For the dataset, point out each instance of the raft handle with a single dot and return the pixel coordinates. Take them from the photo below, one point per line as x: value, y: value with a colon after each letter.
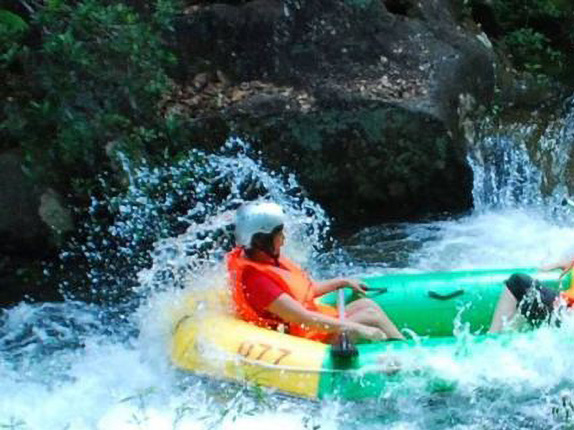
x: 435, y: 295
x: 377, y: 291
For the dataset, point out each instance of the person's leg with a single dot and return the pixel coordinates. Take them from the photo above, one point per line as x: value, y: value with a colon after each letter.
x: 505, y: 310
x: 538, y: 304
x: 525, y: 294
x: 366, y: 311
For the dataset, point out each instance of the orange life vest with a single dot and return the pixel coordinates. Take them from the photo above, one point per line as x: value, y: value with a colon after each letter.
x: 568, y: 295
x: 290, y: 278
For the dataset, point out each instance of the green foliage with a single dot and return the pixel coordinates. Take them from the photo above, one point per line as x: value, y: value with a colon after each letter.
x: 14, y: 424
x: 12, y: 30
x: 563, y: 411
x: 531, y: 50
x: 89, y: 86
x: 11, y: 24
x: 537, y: 34
x: 524, y: 12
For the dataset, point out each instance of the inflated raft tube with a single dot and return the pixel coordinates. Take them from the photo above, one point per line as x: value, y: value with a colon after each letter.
x: 429, y: 305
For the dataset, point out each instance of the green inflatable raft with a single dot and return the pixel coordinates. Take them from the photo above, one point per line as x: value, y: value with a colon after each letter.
x: 430, y: 308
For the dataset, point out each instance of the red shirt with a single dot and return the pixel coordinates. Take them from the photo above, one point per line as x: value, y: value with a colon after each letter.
x: 259, y: 289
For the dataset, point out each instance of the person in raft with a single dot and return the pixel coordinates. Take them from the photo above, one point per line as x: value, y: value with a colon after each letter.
x: 538, y: 304
x: 271, y: 291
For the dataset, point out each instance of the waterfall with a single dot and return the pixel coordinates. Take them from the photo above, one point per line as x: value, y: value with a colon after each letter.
x: 523, y: 164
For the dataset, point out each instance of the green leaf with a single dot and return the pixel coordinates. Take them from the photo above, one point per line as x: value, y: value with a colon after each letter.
x: 54, y: 4
x: 12, y: 23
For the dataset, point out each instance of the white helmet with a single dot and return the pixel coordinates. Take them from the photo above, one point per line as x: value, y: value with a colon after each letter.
x: 252, y: 218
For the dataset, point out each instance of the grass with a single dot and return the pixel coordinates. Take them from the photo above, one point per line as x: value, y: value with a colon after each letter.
x: 564, y: 411
x: 14, y: 424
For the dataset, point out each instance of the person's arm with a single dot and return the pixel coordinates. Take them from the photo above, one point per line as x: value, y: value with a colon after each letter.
x: 290, y: 310
x: 565, y: 264
x: 324, y: 287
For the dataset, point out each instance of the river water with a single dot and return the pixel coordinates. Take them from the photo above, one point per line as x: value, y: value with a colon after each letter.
x: 86, y: 366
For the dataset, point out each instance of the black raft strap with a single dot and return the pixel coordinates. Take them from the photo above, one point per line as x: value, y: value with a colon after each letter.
x: 438, y: 296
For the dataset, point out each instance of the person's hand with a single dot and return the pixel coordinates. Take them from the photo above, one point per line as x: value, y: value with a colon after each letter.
x: 551, y: 266
x: 566, y: 268
x: 357, y: 286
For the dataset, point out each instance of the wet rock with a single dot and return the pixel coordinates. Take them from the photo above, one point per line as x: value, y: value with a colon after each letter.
x: 31, y: 221
x: 365, y: 100
x: 54, y: 214
x: 21, y: 228
x: 32, y: 216
x: 24, y: 278
x: 528, y: 92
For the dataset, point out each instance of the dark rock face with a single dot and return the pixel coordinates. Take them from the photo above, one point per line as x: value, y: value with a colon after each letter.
x: 31, y: 220
x: 32, y: 217
x: 360, y: 161
x: 20, y: 223
x: 364, y: 100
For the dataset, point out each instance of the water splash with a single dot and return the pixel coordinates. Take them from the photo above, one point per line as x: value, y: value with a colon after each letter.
x: 185, y: 259
x: 523, y: 164
x: 504, y: 175
x: 175, y: 219
x: 30, y: 333
x: 167, y: 234
x: 57, y: 355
